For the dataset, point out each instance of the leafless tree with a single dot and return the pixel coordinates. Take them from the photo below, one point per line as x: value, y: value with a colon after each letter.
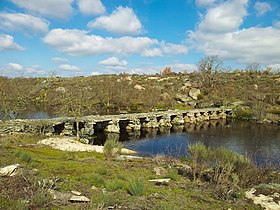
x: 208, y: 69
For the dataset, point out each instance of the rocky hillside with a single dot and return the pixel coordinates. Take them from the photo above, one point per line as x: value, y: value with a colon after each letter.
x: 255, y: 94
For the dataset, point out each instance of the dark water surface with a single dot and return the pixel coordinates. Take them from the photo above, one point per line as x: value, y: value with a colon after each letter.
x: 259, y: 141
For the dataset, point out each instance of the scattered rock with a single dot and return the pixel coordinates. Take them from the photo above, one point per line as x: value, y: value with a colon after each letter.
x: 60, y: 89
x: 74, y: 192
x: 56, y: 195
x: 194, y: 93
x: 9, y: 170
x: 266, y: 195
x: 84, y: 141
x: 139, y: 87
x: 182, y: 98
x: 94, y: 188
x: 153, y: 78
x: 160, y: 181
x: 128, y: 157
x: 76, y: 198
x: 160, y: 171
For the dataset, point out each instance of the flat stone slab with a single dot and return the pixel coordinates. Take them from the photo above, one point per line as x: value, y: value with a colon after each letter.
x: 72, y: 145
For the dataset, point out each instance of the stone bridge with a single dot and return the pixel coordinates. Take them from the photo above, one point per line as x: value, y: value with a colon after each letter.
x: 89, y: 125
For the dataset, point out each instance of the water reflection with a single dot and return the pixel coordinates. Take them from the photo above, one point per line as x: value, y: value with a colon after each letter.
x: 259, y: 141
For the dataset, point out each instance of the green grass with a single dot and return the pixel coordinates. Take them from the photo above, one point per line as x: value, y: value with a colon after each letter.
x: 136, y: 187
x: 125, y: 183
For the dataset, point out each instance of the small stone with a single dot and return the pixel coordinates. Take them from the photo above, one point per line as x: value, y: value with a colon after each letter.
x: 76, y: 198
x: 75, y: 192
x: 94, y: 188
x: 9, y: 170
x: 160, y: 171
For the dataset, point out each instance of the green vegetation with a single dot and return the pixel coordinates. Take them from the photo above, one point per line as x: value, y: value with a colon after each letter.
x: 112, y: 147
x: 221, y: 177
x: 256, y: 90
x: 136, y: 187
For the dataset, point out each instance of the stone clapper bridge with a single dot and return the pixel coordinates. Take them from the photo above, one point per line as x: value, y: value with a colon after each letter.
x: 90, y: 125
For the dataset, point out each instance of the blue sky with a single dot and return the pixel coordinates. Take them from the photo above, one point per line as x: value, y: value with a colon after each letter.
x: 90, y: 37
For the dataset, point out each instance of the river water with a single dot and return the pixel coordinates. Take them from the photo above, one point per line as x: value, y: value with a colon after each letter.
x: 261, y: 142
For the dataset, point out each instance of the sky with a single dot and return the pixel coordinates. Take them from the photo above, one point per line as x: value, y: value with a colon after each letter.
x: 39, y: 38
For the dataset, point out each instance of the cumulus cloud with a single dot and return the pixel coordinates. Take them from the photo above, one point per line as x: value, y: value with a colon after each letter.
x: 59, y: 9
x: 262, y: 8
x: 181, y: 67
x: 226, y: 17
x: 78, y: 43
x: 91, y: 7
x: 248, y: 45
x: 67, y: 67
x: 277, y: 24
x: 17, y: 70
x: 122, y: 21
x: 113, y: 61
x: 203, y: 3
x: 7, y: 43
x: 60, y: 60
x: 23, y: 23
x: 165, y: 49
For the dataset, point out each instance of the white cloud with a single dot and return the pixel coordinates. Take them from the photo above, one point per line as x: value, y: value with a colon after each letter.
x: 78, y: 43
x: 249, y: 45
x: 165, y: 49
x: 174, y: 49
x: 91, y: 7
x: 275, y: 67
x: 67, y: 67
x: 203, y: 3
x: 277, y: 24
x: 59, y: 9
x: 262, y: 8
x: 113, y: 61
x: 122, y: 21
x: 94, y: 73
x: 226, y: 17
x: 17, y: 70
x: 23, y: 23
x: 154, y: 52
x: 15, y: 66
x: 7, y: 43
x: 60, y: 60
x: 181, y: 67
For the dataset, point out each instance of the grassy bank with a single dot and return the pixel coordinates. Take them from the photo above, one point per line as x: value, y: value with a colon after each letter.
x: 207, y: 184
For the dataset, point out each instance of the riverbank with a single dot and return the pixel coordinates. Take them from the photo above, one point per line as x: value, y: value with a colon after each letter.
x: 110, y: 183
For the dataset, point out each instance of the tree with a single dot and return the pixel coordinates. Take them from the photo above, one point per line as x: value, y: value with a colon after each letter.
x: 253, y: 67
x: 14, y: 99
x: 75, y: 104
x: 208, y: 69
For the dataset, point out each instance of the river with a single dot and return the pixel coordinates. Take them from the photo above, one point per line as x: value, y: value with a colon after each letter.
x: 261, y: 142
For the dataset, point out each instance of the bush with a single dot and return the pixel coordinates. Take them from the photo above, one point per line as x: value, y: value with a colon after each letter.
x: 24, y: 156
x: 115, y: 185
x: 111, y: 148
x: 136, y: 187
x: 220, y: 166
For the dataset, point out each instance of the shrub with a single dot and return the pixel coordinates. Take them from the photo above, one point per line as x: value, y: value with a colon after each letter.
x: 220, y: 166
x: 111, y: 148
x: 115, y: 185
x: 24, y: 156
x: 136, y: 187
